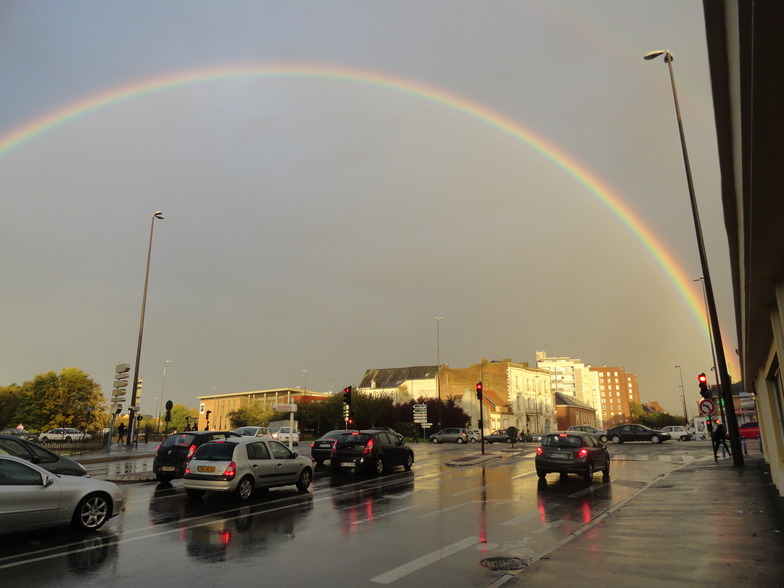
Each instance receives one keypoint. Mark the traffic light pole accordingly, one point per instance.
(479, 396)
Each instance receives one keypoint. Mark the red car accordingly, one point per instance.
(749, 430)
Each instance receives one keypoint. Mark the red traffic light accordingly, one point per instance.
(702, 378)
(479, 390)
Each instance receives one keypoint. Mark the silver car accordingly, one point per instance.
(244, 464)
(33, 498)
(253, 432)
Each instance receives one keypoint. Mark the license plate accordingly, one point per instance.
(207, 469)
(561, 455)
(348, 464)
(324, 445)
(167, 468)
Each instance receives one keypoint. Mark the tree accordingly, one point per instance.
(10, 397)
(68, 399)
(250, 415)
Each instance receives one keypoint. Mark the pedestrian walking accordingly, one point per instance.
(720, 438)
(120, 432)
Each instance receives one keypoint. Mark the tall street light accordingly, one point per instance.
(726, 383)
(683, 396)
(163, 391)
(132, 411)
(438, 368)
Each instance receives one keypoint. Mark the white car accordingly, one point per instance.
(253, 432)
(244, 464)
(283, 435)
(63, 434)
(677, 432)
(33, 498)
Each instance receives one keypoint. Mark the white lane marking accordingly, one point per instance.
(424, 561)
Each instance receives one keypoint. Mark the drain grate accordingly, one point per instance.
(503, 563)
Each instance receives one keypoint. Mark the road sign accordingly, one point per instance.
(707, 406)
(284, 407)
(427, 425)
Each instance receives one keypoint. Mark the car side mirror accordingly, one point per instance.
(48, 481)
(294, 454)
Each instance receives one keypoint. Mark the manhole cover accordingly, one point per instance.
(503, 563)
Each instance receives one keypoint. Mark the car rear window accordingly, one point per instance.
(562, 441)
(354, 439)
(216, 451)
(185, 439)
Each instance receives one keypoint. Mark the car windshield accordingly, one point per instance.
(333, 434)
(216, 451)
(354, 439)
(562, 441)
(184, 439)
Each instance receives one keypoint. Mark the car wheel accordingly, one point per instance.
(409, 461)
(617, 439)
(378, 465)
(684, 438)
(588, 475)
(655, 439)
(336, 469)
(305, 478)
(564, 476)
(603, 438)
(460, 440)
(541, 473)
(319, 462)
(485, 441)
(44, 439)
(193, 493)
(244, 489)
(92, 512)
(606, 472)
(473, 439)
(163, 479)
(68, 439)
(434, 440)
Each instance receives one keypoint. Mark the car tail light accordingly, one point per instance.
(191, 451)
(230, 471)
(368, 447)
(187, 470)
(582, 453)
(539, 451)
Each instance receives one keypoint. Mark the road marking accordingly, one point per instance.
(424, 561)
(522, 518)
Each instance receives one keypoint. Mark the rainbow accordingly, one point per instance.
(601, 191)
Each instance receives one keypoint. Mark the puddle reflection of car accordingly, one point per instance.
(572, 452)
(357, 506)
(241, 532)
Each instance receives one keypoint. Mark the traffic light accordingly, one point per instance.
(703, 380)
(479, 390)
(121, 374)
(347, 395)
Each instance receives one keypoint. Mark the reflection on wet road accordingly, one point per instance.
(435, 525)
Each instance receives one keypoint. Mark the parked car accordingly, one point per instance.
(623, 433)
(244, 464)
(253, 432)
(34, 453)
(572, 452)
(321, 448)
(749, 430)
(450, 435)
(283, 435)
(63, 434)
(474, 436)
(21, 433)
(377, 451)
(677, 432)
(177, 449)
(34, 498)
(598, 433)
(498, 436)
(537, 437)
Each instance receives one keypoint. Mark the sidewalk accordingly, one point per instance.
(706, 523)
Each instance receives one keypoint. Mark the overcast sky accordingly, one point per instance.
(319, 215)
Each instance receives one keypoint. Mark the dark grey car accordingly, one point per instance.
(177, 449)
(572, 452)
(34, 453)
(376, 451)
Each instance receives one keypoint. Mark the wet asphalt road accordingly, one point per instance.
(433, 526)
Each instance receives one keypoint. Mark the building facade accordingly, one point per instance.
(617, 390)
(571, 377)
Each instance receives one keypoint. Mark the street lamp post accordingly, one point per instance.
(131, 412)
(438, 368)
(163, 392)
(726, 383)
(683, 396)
